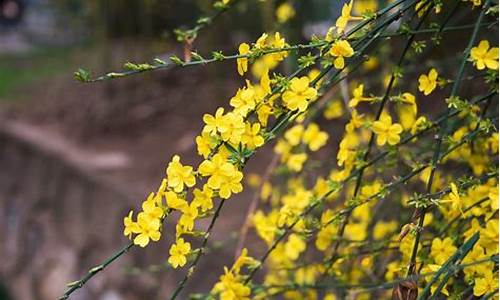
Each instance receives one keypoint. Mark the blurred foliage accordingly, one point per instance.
(18, 70)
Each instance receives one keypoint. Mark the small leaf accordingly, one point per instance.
(196, 56)
(159, 61)
(176, 60)
(82, 75)
(73, 283)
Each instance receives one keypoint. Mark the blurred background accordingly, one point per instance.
(75, 158)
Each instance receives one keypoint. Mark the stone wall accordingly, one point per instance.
(57, 220)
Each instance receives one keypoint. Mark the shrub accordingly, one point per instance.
(408, 208)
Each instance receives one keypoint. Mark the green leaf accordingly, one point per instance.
(306, 60)
(217, 55)
(176, 60)
(82, 75)
(159, 61)
(196, 56)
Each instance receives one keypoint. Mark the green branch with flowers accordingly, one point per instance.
(326, 225)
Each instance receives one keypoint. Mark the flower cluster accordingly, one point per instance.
(403, 193)
(231, 285)
(264, 62)
(227, 139)
(291, 149)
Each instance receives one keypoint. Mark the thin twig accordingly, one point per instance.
(420, 213)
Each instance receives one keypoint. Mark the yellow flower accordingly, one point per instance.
(232, 128)
(427, 83)
(330, 296)
(371, 64)
(474, 227)
(406, 247)
(493, 141)
(265, 226)
(178, 252)
(357, 120)
(476, 254)
(296, 98)
(266, 191)
(231, 184)
(493, 195)
(476, 2)
(243, 260)
(244, 100)
(429, 269)
(265, 82)
(334, 110)
(419, 5)
(218, 169)
(295, 161)
(407, 111)
(148, 229)
(383, 229)
(229, 287)
(285, 12)
(356, 231)
(420, 124)
(278, 42)
(242, 62)
(313, 74)
(409, 98)
(213, 122)
(306, 275)
(314, 137)
(392, 270)
(283, 149)
(189, 215)
(386, 131)
(486, 284)
(251, 138)
(483, 56)
(150, 209)
(345, 17)
(162, 189)
(357, 96)
(489, 237)
(203, 198)
(263, 113)
(174, 201)
(454, 198)
(324, 237)
(294, 246)
(365, 6)
(179, 175)
(441, 250)
(339, 50)
(294, 134)
(130, 225)
(262, 41)
(205, 143)
(271, 60)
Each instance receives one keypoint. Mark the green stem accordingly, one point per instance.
(371, 142)
(440, 137)
(192, 266)
(92, 272)
(446, 267)
(359, 287)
